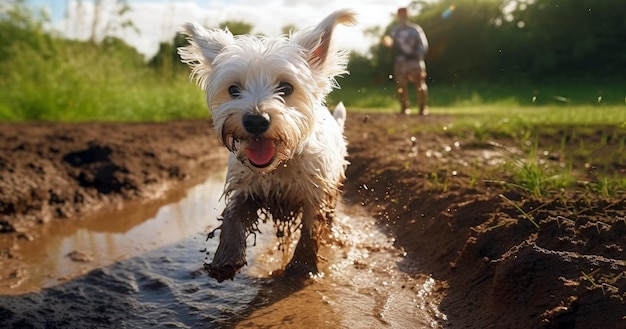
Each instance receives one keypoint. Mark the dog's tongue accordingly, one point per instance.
(260, 152)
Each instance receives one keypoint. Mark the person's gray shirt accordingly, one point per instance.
(410, 41)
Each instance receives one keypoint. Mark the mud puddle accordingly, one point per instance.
(366, 283)
(64, 250)
(143, 267)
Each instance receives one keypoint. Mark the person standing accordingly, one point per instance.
(411, 45)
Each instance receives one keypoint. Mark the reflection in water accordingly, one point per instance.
(115, 235)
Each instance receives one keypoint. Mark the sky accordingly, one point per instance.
(158, 20)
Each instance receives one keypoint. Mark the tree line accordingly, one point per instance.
(470, 40)
(500, 40)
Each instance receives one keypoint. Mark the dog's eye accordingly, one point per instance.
(285, 89)
(234, 91)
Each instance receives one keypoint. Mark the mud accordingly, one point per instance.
(452, 251)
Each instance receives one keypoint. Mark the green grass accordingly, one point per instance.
(81, 84)
(537, 114)
(474, 97)
(123, 102)
(521, 211)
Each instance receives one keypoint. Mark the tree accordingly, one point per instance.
(167, 60)
(564, 38)
(115, 19)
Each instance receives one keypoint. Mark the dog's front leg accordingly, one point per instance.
(238, 220)
(304, 260)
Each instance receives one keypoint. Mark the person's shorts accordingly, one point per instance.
(410, 70)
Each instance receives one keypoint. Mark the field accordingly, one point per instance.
(521, 223)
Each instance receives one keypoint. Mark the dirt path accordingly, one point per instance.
(498, 268)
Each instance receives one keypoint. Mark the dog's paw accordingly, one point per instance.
(223, 272)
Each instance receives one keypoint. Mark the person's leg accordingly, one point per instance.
(422, 90)
(422, 95)
(402, 97)
(401, 80)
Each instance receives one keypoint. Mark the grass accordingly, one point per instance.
(521, 211)
(86, 88)
(158, 102)
(504, 97)
(545, 164)
(494, 114)
(563, 147)
(59, 80)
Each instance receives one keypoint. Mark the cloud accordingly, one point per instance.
(157, 21)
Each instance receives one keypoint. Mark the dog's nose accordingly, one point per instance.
(255, 123)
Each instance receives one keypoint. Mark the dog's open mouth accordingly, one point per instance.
(261, 152)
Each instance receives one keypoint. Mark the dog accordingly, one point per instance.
(288, 153)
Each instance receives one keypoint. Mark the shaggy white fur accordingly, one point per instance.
(288, 153)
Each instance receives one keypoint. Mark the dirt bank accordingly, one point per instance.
(500, 270)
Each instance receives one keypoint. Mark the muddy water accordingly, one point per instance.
(142, 266)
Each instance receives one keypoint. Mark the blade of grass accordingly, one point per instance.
(525, 214)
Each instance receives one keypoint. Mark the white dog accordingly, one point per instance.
(288, 153)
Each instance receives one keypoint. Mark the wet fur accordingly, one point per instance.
(304, 178)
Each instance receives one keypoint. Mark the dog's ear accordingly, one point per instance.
(204, 45)
(317, 42)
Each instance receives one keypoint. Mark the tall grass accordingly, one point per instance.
(80, 82)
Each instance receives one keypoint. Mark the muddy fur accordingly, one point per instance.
(288, 152)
